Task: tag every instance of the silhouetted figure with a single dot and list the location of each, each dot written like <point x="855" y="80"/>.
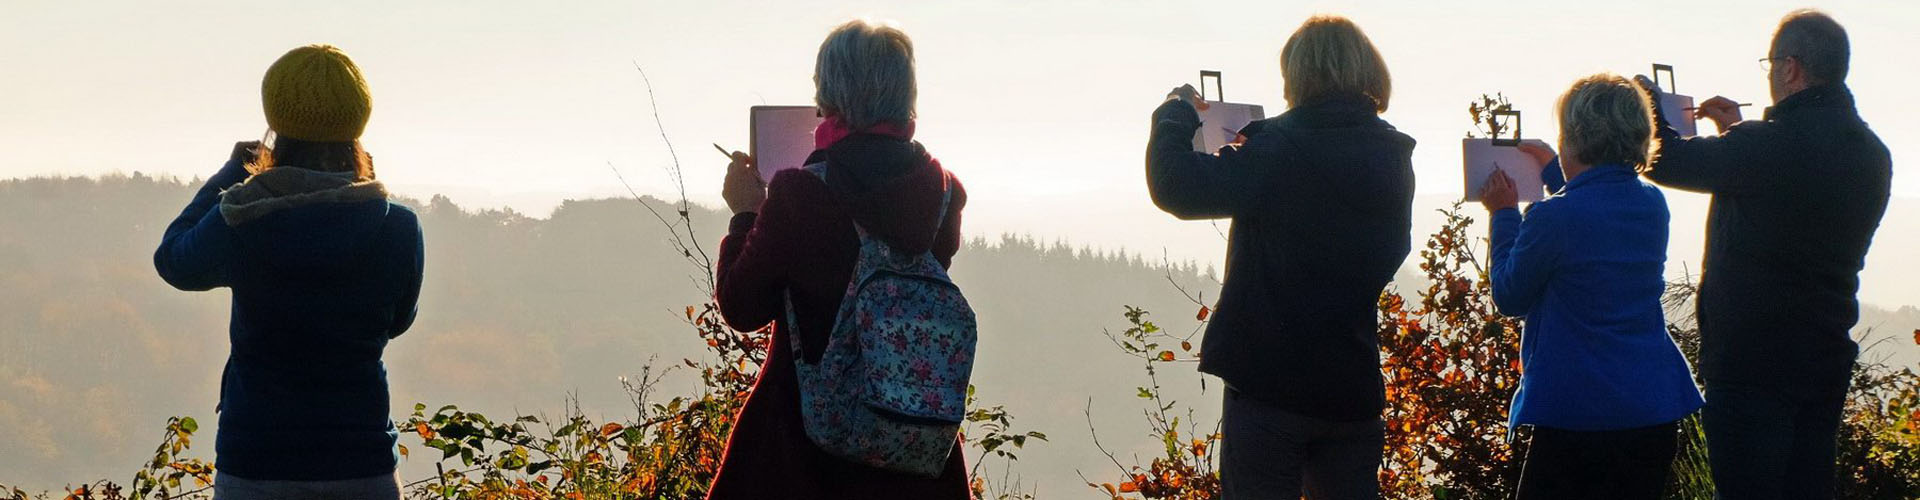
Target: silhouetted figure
<point x="324" y="271"/>
<point x="1602" y="384"/>
<point x="1796" y="199"/>
<point x="795" y="237"/>
<point x="1321" y="200"/>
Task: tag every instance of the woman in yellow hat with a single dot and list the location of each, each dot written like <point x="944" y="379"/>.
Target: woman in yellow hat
<point x="324" y="271"/>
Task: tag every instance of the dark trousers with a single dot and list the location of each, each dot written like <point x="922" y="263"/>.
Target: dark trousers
<point x="1770" y="442"/>
<point x="1622" y="464"/>
<point x="1267" y="452"/>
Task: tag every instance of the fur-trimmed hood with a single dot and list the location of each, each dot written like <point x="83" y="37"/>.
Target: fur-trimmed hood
<point x="288" y="187"/>
<point x="306" y="218"/>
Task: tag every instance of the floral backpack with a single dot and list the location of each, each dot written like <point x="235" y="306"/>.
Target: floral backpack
<point x="891" y="389"/>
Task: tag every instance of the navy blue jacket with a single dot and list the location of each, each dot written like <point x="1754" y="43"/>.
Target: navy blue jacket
<point x="1585" y="268"/>
<point x="1797" y="197"/>
<point x="324" y="271"/>
<point x="1321" y="199"/>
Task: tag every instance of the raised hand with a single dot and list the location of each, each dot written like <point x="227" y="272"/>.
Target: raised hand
<point x="245" y="152"/>
<point x="1189" y="95"/>
<point x="1539" y="150"/>
<point x="742" y="188"/>
<point x="1723" y="111"/>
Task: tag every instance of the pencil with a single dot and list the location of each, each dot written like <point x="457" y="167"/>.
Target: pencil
<point x="1741" y="105"/>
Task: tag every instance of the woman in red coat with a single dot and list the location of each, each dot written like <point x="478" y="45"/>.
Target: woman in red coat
<point x="795" y="236"/>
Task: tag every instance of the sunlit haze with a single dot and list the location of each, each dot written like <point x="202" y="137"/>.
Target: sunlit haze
<point x="1040" y="107"/>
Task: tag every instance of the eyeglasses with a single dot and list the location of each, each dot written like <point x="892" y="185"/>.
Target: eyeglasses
<point x="1766" y="63"/>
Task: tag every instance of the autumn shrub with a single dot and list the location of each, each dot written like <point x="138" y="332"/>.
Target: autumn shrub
<point x="1451" y="364"/>
<point x="169" y="475"/>
<point x="1878" y="452"/>
<point x="1186" y="469"/>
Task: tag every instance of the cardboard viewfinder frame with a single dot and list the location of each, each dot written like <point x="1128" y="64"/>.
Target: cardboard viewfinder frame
<point x="1480" y="158"/>
<point x="1675" y="108"/>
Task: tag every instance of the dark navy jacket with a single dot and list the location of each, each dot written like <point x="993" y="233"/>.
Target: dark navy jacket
<point x="1797" y="197"/>
<point x="1586" y="269"/>
<point x="324" y="271"/>
<point x="1321" y="199"/>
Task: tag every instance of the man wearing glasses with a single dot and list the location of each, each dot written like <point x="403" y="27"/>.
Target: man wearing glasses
<point x="1797" y="196"/>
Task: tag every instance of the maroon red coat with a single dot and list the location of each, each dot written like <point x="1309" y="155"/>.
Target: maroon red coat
<point x="803" y="241"/>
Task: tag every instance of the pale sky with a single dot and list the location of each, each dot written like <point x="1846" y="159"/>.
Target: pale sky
<point x="1040" y="107"/>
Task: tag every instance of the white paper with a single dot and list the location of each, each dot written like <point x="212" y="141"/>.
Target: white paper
<point x="782" y="137"/>
<point x="1482" y="158"/>
<point x="1221" y="122"/>
<point x="1675" y="107"/>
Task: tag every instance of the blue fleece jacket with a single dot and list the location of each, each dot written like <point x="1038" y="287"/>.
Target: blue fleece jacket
<point x="1585" y="268"/>
<point x="324" y="271"/>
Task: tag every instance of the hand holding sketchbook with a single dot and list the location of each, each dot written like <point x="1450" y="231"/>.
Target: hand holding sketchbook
<point x="1221" y="122"/>
<point x="782" y="137"/>
<point x="1675" y="108"/>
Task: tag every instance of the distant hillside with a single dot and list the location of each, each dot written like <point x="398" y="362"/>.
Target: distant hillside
<point x="517" y="314"/>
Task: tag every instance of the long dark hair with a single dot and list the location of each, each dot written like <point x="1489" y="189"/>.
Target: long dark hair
<point x="321" y="156"/>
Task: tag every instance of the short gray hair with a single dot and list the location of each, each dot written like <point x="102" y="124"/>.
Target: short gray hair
<point x="1606" y="119"/>
<point x="864" y="75"/>
<point x="1817" y="41"/>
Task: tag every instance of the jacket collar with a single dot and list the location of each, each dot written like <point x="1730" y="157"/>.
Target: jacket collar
<point x="1341" y="111"/>
<point x="1835" y="95"/>
<point x="1609" y="172"/>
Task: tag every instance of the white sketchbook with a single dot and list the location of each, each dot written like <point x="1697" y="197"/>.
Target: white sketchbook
<point x="1677" y="109"/>
<point x="782" y="137"/>
<point x="1221" y="122"/>
<point x="1483" y="157"/>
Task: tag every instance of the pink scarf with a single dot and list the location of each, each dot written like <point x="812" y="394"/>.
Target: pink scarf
<point x="833" y="129"/>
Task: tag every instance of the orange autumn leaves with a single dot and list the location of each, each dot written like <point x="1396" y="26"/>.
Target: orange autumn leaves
<point x="1449" y="360"/>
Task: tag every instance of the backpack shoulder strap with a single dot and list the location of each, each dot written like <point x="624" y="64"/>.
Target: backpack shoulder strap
<point x="792" y="326"/>
<point x="946" y="203"/>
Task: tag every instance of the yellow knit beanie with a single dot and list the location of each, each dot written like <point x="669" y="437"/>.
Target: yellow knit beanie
<point x="315" y="93"/>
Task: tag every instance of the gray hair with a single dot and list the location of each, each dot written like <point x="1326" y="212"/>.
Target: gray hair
<point x="1817" y="41"/>
<point x="865" y="75"/>
<point x="1606" y="119"/>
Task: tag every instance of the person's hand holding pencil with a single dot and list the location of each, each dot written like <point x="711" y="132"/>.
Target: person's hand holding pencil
<point x="1723" y="111"/>
<point x="742" y="188"/>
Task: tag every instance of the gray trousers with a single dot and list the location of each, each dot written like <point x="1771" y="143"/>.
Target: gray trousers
<point x="1270" y="453"/>
<point x="228" y="487"/>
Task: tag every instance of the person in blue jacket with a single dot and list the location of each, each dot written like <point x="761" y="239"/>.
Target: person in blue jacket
<point x="324" y="271"/>
<point x="1602" y="383"/>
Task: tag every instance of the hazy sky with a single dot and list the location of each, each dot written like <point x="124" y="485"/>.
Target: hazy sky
<point x="1040" y="107"/>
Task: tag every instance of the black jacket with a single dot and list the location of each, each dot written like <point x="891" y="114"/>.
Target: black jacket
<point x="1321" y="200"/>
<point x="1796" y="199"/>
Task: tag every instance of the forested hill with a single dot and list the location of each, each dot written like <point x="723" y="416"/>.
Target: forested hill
<point x="517" y="315"/>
